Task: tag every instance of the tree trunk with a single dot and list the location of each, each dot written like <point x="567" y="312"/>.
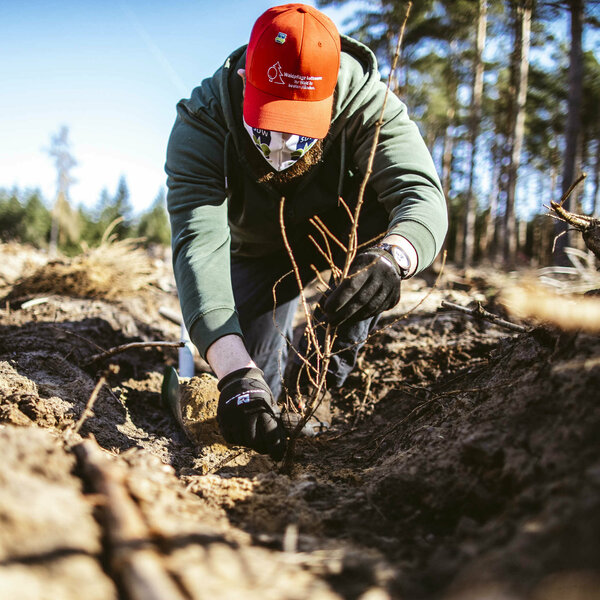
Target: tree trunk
<point x="487" y="242"/>
<point x="447" y="154"/>
<point x="470" y="204"/>
<point x="519" y="75"/>
<point x="573" y="129"/>
<point x="596" y="180"/>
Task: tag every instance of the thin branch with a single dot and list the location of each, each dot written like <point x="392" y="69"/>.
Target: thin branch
<point x="347" y="208"/>
<point x="123" y="348"/>
<point x="317" y="221"/>
<point x="324" y="236"/>
<point x="325" y="255"/>
<point x="231" y="456"/>
<point x="481" y="313"/>
<point x="309" y="326"/>
<point x="564" y="197"/>
<point x="87" y="411"/>
<point x="320" y="277"/>
<point x="275" y="324"/>
<point x="360" y="409"/>
<point x="77" y="335"/>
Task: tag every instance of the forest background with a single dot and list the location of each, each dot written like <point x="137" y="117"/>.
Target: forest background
<point x="506" y="94"/>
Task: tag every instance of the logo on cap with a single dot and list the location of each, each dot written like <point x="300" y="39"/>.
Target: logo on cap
<point x="274" y="74"/>
<point x="280" y="39"/>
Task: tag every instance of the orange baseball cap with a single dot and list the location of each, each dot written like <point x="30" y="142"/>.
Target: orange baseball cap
<point x="292" y="64"/>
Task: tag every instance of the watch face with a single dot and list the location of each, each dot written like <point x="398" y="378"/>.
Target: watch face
<point x="401" y="258"/>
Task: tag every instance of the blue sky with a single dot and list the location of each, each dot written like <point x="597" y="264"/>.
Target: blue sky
<point x="112" y="72"/>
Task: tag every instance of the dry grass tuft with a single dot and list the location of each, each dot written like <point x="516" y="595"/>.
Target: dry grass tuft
<point x="113" y="270"/>
<point x="536" y="303"/>
<point x="581" y="277"/>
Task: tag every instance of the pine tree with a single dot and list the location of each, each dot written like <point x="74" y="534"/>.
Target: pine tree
<point x="154" y="224"/>
<point x="65" y="227"/>
<point x="110" y="208"/>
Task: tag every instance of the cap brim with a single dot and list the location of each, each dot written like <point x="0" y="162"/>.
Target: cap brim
<point x="301" y="117"/>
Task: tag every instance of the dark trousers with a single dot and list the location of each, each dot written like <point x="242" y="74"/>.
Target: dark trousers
<point x="268" y="330"/>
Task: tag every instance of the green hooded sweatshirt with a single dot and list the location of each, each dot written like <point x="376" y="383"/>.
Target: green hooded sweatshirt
<point x="217" y="207"/>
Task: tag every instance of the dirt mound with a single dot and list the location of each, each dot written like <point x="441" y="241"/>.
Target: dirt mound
<point x="463" y="463"/>
<point x="50" y="543"/>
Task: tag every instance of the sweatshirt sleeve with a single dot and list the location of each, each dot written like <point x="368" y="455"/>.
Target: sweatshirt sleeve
<point x="197" y="206"/>
<point x="403" y="175"/>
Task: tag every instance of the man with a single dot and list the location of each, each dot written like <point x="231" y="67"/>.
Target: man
<point x="291" y="116"/>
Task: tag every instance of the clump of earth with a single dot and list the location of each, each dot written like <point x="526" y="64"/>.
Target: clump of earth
<point x="463" y="461"/>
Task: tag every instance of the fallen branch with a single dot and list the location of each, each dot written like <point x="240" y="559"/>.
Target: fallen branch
<point x="588" y="226"/>
<point x="481" y="313"/>
<point x="124" y="347"/>
<point x="132" y="556"/>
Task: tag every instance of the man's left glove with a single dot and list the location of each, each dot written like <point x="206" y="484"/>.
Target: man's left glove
<point x="246" y="413"/>
<point x="372" y="286"/>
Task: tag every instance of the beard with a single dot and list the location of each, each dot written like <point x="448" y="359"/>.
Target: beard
<point x="288" y="178"/>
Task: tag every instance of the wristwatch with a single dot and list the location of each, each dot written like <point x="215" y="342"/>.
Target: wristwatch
<point x="399" y="255"/>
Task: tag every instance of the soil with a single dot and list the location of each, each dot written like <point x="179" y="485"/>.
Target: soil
<point x="463" y="461"/>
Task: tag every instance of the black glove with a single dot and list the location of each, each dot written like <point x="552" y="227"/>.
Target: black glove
<point x="372" y="286"/>
<point x="246" y="413"/>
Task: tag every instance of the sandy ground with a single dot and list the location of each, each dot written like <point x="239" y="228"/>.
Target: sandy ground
<point x="463" y="463"/>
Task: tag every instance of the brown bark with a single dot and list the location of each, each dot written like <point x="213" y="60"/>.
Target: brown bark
<point x="132" y="555"/>
<point x="519" y="75"/>
<point x="447" y="154"/>
<point x="596" y="190"/>
<point x="488" y="238"/>
<point x="573" y="129"/>
<point x="478" y="67"/>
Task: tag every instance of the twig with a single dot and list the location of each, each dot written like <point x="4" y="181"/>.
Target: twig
<point x="87" y="411"/>
<point x="481" y="313"/>
<point x="77" y="335"/>
<point x="360" y="409"/>
<point x="124" y="347"/>
<point x="320" y="277"/>
<point x="170" y="315"/>
<point x="310" y="328"/>
<point x="34" y="302"/>
<point x="231" y="456"/>
<point x="326" y="255"/>
<point x="347" y="209"/>
<point x="564" y="197"/>
<point x="316" y="221"/>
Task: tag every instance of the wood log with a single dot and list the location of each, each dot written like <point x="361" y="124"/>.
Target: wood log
<point x="133" y="558"/>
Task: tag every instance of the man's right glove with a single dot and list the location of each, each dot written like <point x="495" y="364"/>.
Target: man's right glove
<point x="372" y="286"/>
<point x="246" y="413"/>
